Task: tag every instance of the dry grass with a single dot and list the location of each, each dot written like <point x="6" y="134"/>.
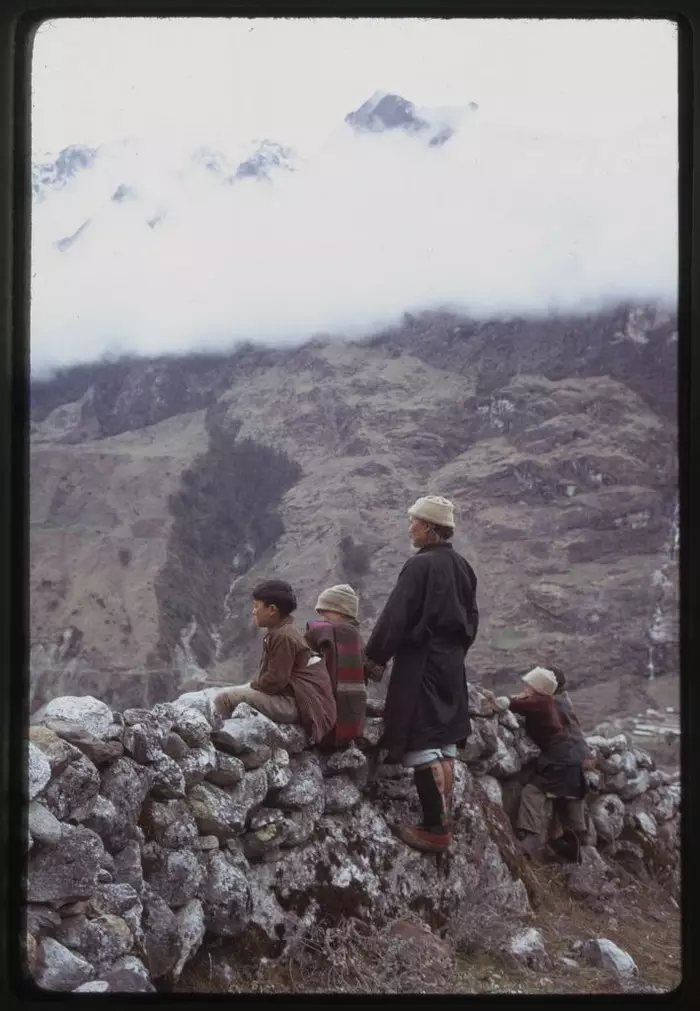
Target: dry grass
<point x="481" y="927"/>
<point x="643" y="920"/>
<point x="357" y="957"/>
<point x="354" y="957"/>
<point x="361" y="958"/>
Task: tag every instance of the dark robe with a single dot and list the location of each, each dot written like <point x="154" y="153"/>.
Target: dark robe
<point x="570" y="720"/>
<point x="428" y="624"/>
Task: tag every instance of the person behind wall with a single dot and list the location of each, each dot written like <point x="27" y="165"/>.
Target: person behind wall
<point x="292" y="684"/>
<point x="558" y="840"/>
<point x="570" y="719"/>
<point x="337" y="638"/>
<point x="428" y="624"/>
<point x="558" y="773"/>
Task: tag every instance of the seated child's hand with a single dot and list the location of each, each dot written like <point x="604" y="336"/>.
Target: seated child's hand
<point x="373" y="670"/>
<point x="221" y="705"/>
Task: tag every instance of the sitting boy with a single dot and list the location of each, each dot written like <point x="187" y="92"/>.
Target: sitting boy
<point x="338" y="640"/>
<point x="292" y="685"/>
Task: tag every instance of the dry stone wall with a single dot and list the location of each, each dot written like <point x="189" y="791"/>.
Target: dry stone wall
<point x="154" y="832"/>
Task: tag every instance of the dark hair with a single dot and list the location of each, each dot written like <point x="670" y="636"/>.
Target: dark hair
<point x="444" y="533"/>
<point x="561" y="680"/>
<point x="277" y="592"/>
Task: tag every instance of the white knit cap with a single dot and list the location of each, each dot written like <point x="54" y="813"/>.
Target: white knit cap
<point x="434" y="509"/>
<point x="542" y="680"/>
<point x="341" y="598"/>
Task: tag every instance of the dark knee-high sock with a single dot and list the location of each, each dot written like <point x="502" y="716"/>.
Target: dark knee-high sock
<point x="429" y="780"/>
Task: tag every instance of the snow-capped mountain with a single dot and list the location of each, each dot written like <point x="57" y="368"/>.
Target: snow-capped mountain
<point x="259" y="163"/>
<point x="56" y="174"/>
<point x="116" y="173"/>
<point x="267" y="156"/>
<point x="384" y="111"/>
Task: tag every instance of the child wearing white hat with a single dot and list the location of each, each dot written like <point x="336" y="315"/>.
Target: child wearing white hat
<point x="558" y="771"/>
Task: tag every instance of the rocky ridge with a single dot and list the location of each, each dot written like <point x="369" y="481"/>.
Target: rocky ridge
<point x="555" y="437"/>
<point x="155" y="834"/>
<point x="380" y="113"/>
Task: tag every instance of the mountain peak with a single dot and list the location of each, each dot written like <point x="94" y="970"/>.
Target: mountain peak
<point x="55" y="174"/>
<point x="267" y="155"/>
<point x="387" y="111"/>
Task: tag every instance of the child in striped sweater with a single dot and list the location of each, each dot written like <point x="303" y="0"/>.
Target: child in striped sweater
<point x="337" y="638"/>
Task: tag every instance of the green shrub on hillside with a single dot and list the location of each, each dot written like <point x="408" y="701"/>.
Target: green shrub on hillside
<point x="227" y="504"/>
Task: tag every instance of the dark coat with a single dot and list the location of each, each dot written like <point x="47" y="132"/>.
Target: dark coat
<point x="557" y="772"/>
<point x="428" y="624"/>
<point x="566" y="711"/>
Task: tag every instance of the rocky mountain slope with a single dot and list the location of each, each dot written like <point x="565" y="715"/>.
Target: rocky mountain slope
<point x="162" y="490"/>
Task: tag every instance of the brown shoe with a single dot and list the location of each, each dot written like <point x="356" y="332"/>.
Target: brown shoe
<point x="421" y="839"/>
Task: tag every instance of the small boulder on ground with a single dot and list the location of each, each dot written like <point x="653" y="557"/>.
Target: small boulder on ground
<point x="607" y="955"/>
<point x="591" y="878"/>
<point x="528" y="948"/>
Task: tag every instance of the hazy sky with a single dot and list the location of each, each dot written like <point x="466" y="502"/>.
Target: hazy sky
<point x="293" y="79"/>
<point x="562" y="185"/>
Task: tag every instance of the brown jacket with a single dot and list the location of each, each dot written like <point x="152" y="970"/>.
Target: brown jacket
<point x="284" y="670"/>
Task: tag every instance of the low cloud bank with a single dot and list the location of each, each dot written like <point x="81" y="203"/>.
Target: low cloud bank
<point x="370" y="226"/>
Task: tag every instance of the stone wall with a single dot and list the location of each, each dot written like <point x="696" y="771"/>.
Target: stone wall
<point x="153" y="833"/>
